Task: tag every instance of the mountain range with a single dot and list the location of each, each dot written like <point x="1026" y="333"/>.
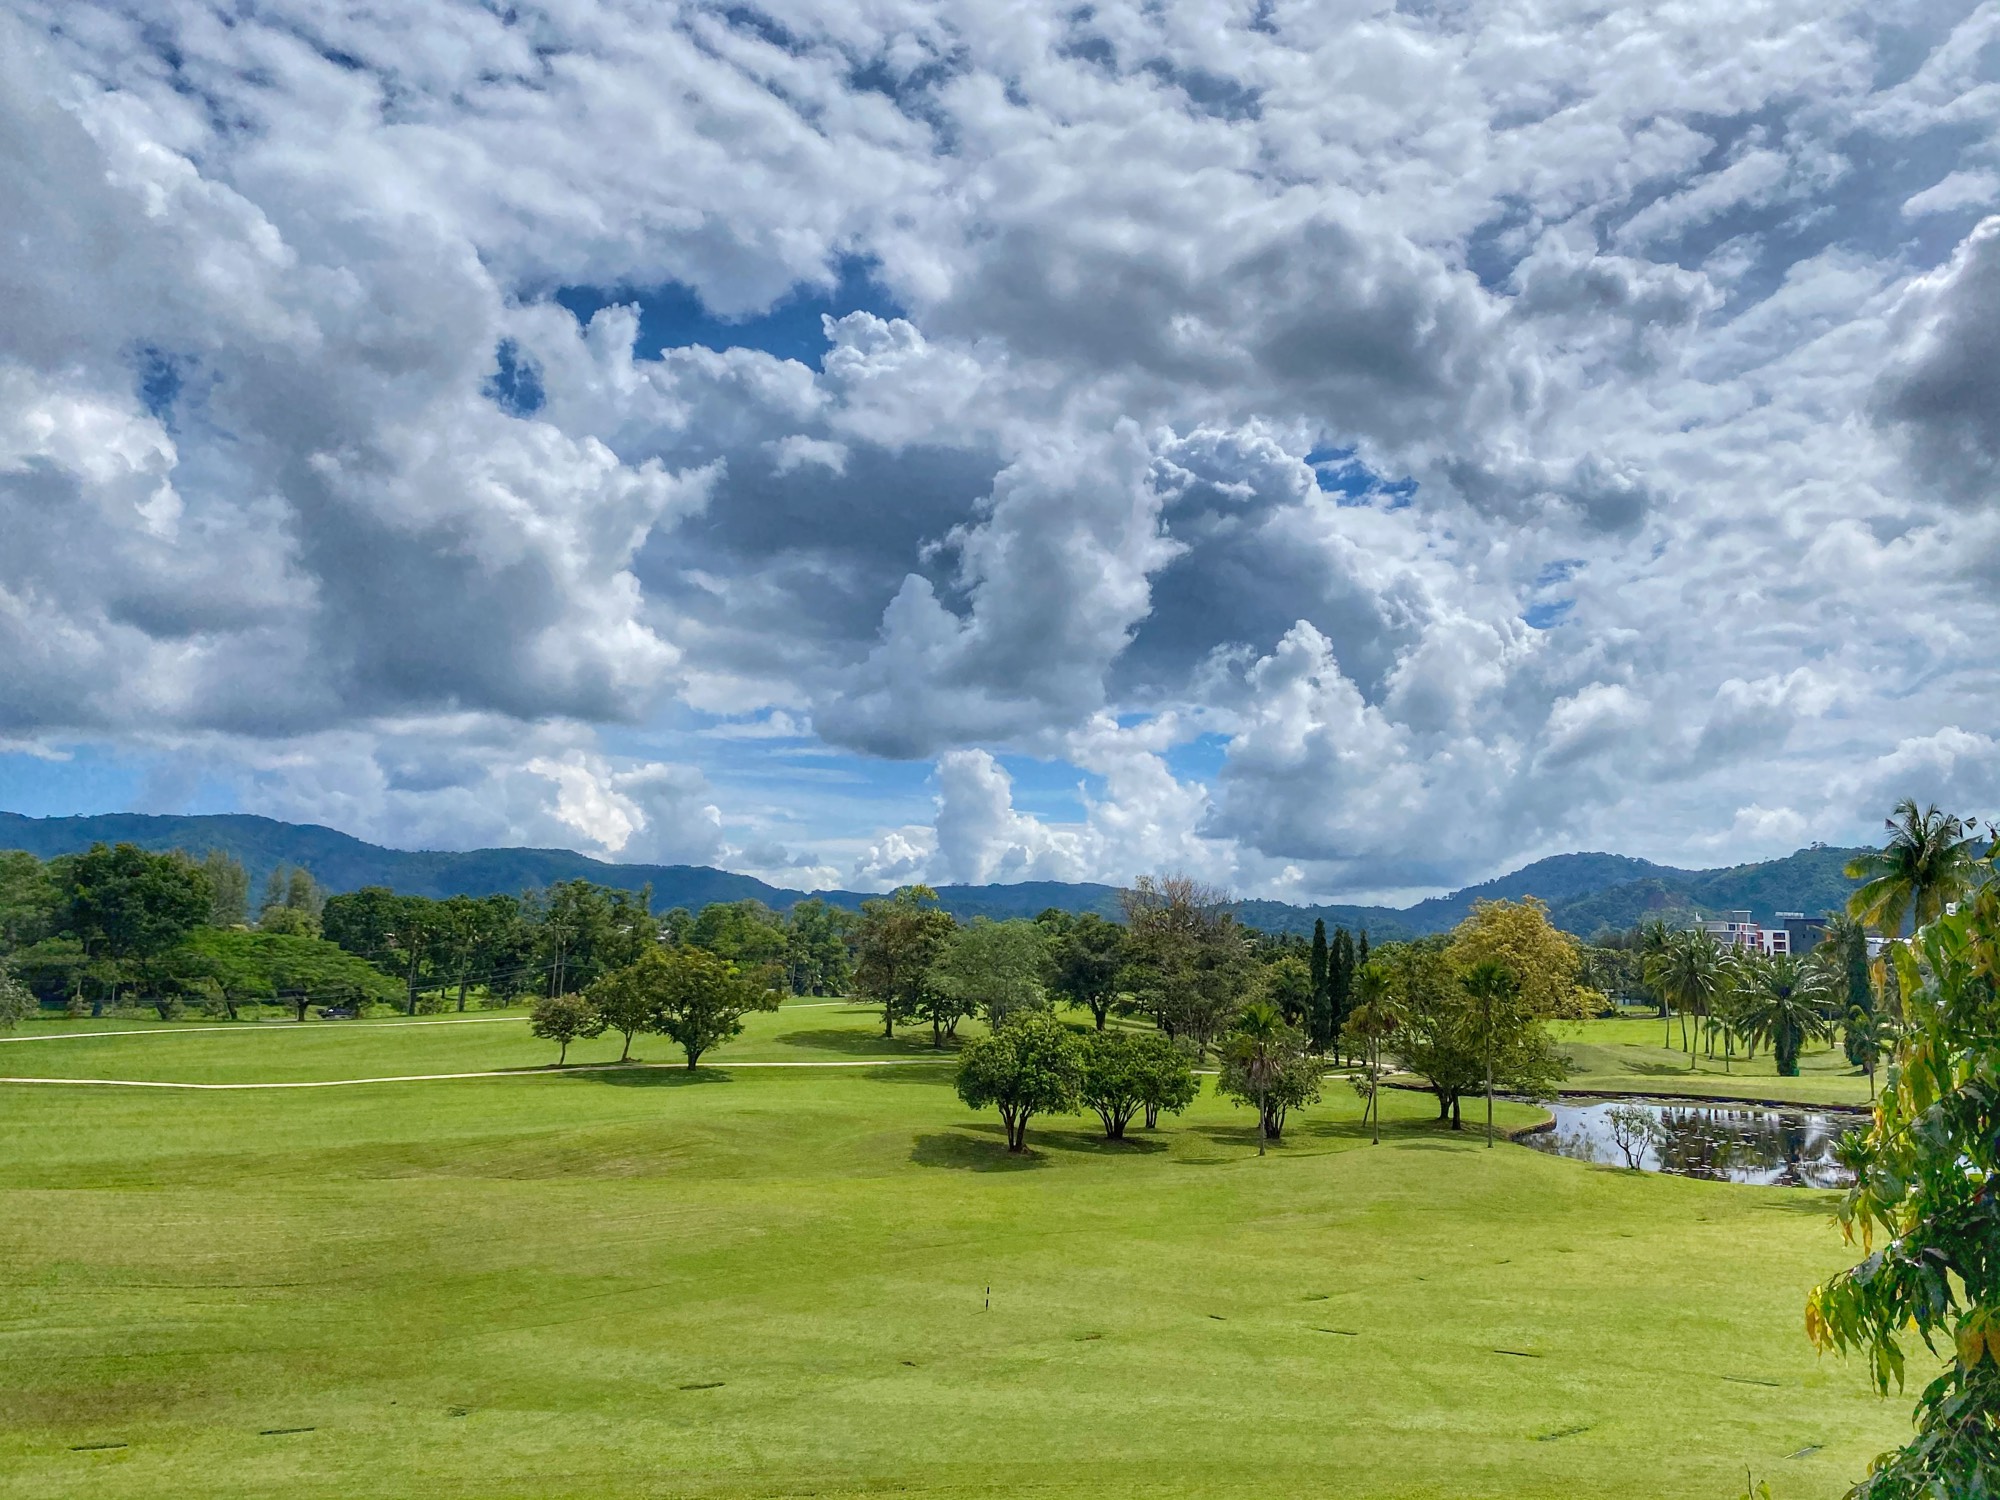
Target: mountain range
<point x="1586" y="893"/>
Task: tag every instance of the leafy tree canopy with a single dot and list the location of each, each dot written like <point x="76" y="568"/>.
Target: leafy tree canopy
<point x="1032" y="1065"/>
<point x="1927" y="1184"/>
<point x="1546" y="962"/>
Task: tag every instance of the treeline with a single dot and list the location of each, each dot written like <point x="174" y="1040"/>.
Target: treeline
<point x="118" y="925"/>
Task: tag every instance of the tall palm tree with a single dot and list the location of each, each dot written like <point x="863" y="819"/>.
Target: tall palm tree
<point x="1927" y="862"/>
<point x="1653" y="940"/>
<point x="1784" y="1003"/>
<point x="1690" y="973"/>
<point x="1493" y="989"/>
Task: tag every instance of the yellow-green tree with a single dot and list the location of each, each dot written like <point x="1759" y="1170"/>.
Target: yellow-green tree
<point x="1546" y="962"/>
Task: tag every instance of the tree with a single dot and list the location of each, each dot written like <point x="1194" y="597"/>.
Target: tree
<point x="228" y="889"/>
<point x="1845" y="948"/>
<point x="1288" y="985"/>
<point x="1440" y="1036"/>
<point x="699" y="1000"/>
<point x="1690" y="973"/>
<point x="1189" y="964"/>
<point x="132" y="904"/>
<point x="563" y="1019"/>
<point x="128" y="907"/>
<point x="1341" y="970"/>
<point x="1783" y="1004"/>
<point x="1868" y="1038"/>
<point x="1631" y="1131"/>
<point x="1925" y="1176"/>
<point x="248" y="967"/>
<point x="992" y="968"/>
<point x="1499" y="1007"/>
<point x="1031" y="1066"/>
<point x="1086" y="956"/>
<point x="1163" y="1074"/>
<point x="1545" y="961"/>
<point x="475" y="937"/>
<point x="16" y="1004"/>
<point x="31" y="900"/>
<point x="1650" y="941"/>
<point x="897" y="943"/>
<point x="1110" y="1080"/>
<point x="1929" y="861"/>
<point x="817" y="942"/>
<point x="1322" y="1023"/>
<point x="1371" y="1023"/>
<point x="747" y="934"/>
<point x="1266" y="1063"/>
<point x="584" y="930"/>
<point x="628" y="999"/>
<point x="293" y="903"/>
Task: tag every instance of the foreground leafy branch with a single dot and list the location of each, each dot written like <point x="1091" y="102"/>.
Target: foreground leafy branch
<point x="1927" y="1184"/>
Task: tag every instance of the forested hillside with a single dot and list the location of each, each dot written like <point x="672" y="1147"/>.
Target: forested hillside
<point x="1586" y="893"/>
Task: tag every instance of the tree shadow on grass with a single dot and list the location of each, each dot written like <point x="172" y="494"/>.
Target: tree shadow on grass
<point x="859" y="1043"/>
<point x="974" y="1148"/>
<point x="1817" y="1203"/>
<point x="1095" y="1143"/>
<point x="930" y="1077"/>
<point x="651" y="1075"/>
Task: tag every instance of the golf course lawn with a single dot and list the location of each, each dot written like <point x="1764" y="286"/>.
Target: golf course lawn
<point x="754" y="1282"/>
<point x="1626" y="1056"/>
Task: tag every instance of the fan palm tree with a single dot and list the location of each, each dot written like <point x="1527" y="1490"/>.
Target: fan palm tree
<point x="1927" y="863"/>
<point x="1784" y="1003"/>
<point x="1690" y="972"/>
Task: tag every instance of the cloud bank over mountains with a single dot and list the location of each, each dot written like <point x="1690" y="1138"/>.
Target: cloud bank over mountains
<point x="1338" y="449"/>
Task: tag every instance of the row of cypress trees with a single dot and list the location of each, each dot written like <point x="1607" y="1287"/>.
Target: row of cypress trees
<point x="1334" y="963"/>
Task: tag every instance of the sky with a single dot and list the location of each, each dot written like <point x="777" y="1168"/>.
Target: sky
<point x="1334" y="449"/>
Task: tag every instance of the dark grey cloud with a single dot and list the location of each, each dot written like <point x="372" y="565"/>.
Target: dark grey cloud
<point x="1943" y="390"/>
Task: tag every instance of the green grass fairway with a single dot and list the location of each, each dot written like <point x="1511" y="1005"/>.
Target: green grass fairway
<point x="1626" y="1056"/>
<point x="756" y="1282"/>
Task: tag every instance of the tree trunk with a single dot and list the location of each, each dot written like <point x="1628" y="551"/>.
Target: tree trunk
<point x="625" y="1055"/>
<point x="463" y="985"/>
<point x="562" y="1052"/>
<point x="1152" y="1117"/>
<point x="1457" y="1119"/>
<point x="694" y="1057"/>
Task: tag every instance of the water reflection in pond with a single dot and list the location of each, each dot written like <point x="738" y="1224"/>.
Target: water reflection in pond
<point x="1723" y="1142"/>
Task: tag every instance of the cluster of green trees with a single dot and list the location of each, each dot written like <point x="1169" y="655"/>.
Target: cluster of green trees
<point x="1742" y="999"/>
<point x="692" y="996"/>
<point x="562" y="940"/>
<point x="1034" y="1064"/>
<point x="1468" y="1011"/>
<point x="1181" y="960"/>
<point x="116" y="924"/>
<point x="119" y="925"/>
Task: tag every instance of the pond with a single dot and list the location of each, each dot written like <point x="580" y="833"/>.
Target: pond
<point x="1774" y="1147"/>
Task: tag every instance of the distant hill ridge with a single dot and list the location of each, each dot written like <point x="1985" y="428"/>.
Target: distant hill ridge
<point x="1586" y="893"/>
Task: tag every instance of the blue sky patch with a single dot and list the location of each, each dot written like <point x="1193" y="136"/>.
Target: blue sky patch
<point x="672" y="316"/>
